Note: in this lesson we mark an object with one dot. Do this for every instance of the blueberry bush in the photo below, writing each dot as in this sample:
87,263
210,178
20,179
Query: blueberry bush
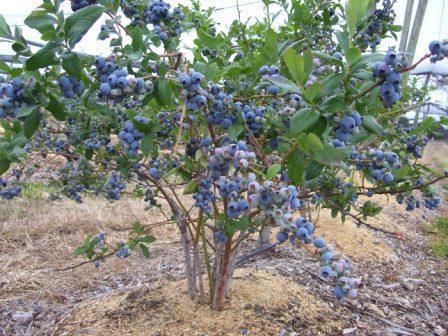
258,126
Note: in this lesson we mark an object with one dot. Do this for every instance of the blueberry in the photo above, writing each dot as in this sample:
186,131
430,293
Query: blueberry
105,89
319,242
263,70
282,236
391,58
435,47
347,124
337,55
272,89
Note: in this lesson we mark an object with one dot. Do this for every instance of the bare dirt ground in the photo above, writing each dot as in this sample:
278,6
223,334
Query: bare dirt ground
405,287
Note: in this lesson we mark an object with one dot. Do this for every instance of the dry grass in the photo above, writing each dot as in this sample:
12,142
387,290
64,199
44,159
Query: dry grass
38,237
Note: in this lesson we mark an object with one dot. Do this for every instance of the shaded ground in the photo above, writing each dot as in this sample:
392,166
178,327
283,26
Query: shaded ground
405,288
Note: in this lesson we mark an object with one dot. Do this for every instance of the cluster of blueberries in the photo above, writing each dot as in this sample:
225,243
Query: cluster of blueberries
70,86
371,36
59,145
116,83
390,88
101,241
159,165
131,136
123,251
204,196
290,105
79,4
221,159
73,175
130,10
415,144
378,163
92,142
194,95
438,50
220,113
345,127
11,97
8,192
431,202
255,118
332,267
165,23
114,186
270,71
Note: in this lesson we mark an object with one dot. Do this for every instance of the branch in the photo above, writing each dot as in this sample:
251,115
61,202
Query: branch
255,253
86,262
360,221
242,99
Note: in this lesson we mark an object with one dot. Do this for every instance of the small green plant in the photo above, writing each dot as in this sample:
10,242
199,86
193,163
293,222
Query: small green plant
35,190
445,190
439,230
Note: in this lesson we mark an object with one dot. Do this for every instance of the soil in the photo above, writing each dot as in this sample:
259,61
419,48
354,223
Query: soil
404,286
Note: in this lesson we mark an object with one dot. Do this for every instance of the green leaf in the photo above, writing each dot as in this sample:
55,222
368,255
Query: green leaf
307,64
369,123
147,239
4,28
295,65
145,250
4,67
370,208
314,143
285,84
395,28
138,227
190,188
43,57
366,60
240,225
148,145
79,23
313,91
355,10
273,170
164,91
313,169
271,45
213,42
56,108
80,250
137,38
426,125
329,59
40,20
234,131
342,37
88,153
25,110
209,70
71,63
31,123
352,55
303,120
331,156
4,164
332,83
401,172
295,165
